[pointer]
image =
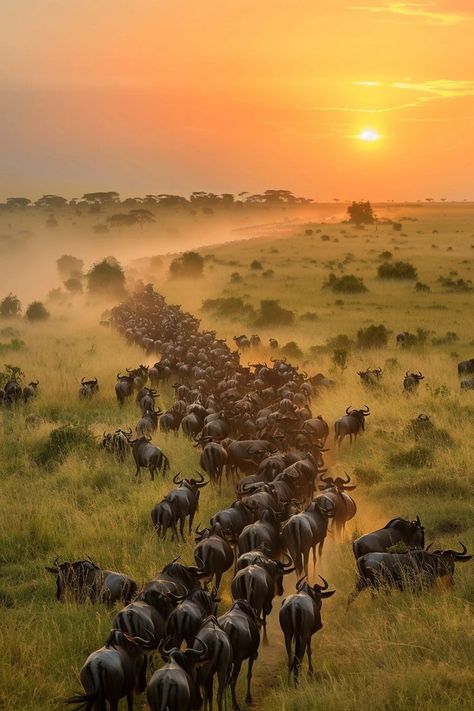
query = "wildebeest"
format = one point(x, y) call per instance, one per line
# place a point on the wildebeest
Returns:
point(186, 619)
point(466, 367)
point(163, 516)
point(411, 381)
point(146, 399)
point(317, 427)
point(218, 660)
point(467, 384)
point(414, 570)
point(242, 342)
point(300, 618)
point(147, 455)
point(123, 387)
point(335, 500)
point(86, 580)
point(148, 424)
point(145, 620)
point(405, 338)
point(255, 340)
point(302, 532)
point(213, 460)
point(264, 532)
point(273, 344)
point(213, 553)
point(234, 519)
point(175, 579)
point(30, 391)
point(370, 377)
point(174, 686)
point(398, 530)
point(12, 393)
point(117, 443)
point(241, 625)
point(88, 388)
point(115, 670)
point(352, 423)
point(185, 499)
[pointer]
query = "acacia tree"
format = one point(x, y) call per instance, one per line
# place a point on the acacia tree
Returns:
point(36, 311)
point(106, 278)
point(361, 213)
point(190, 264)
point(69, 266)
point(10, 307)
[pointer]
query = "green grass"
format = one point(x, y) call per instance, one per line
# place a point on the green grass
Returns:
point(394, 652)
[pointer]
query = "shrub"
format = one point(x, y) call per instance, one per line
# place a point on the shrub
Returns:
point(325, 238)
point(348, 284)
point(397, 226)
point(74, 285)
point(268, 273)
point(339, 342)
point(340, 358)
point(10, 307)
point(235, 278)
point(308, 231)
point(106, 278)
point(65, 440)
point(189, 265)
point(367, 475)
point(256, 265)
point(419, 286)
point(15, 345)
point(272, 314)
point(361, 213)
point(373, 336)
point(385, 255)
point(228, 307)
point(398, 270)
point(36, 311)
point(309, 316)
point(449, 337)
point(455, 284)
point(100, 229)
point(292, 350)
point(69, 266)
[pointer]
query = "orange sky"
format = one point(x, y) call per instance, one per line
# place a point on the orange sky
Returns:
point(230, 95)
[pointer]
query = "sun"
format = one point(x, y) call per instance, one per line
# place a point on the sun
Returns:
point(369, 135)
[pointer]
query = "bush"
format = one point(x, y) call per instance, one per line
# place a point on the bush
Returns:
point(361, 213)
point(398, 270)
point(292, 350)
point(106, 278)
point(65, 440)
point(309, 316)
point(69, 266)
point(36, 311)
point(189, 265)
point(15, 345)
point(268, 273)
point(449, 337)
point(385, 255)
point(397, 226)
point(235, 278)
point(272, 314)
point(455, 284)
point(419, 286)
point(339, 342)
point(10, 307)
point(74, 285)
point(228, 307)
point(256, 265)
point(373, 336)
point(348, 284)
point(367, 475)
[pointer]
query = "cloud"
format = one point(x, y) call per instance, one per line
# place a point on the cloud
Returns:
point(448, 12)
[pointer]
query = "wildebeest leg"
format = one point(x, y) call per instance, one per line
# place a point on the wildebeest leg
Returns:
point(306, 559)
point(218, 578)
point(289, 654)
point(175, 531)
point(181, 527)
point(152, 471)
point(129, 702)
point(113, 705)
point(209, 693)
point(137, 473)
point(248, 698)
point(309, 652)
point(265, 638)
point(233, 682)
point(191, 518)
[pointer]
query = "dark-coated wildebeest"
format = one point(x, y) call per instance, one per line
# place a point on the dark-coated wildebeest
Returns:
point(174, 580)
point(352, 423)
point(218, 661)
point(30, 391)
point(141, 619)
point(185, 620)
point(273, 344)
point(148, 424)
point(12, 393)
point(414, 570)
point(241, 625)
point(467, 384)
point(398, 530)
point(242, 342)
point(86, 580)
point(370, 377)
point(411, 381)
point(317, 427)
point(174, 686)
point(88, 389)
point(213, 553)
point(264, 532)
point(115, 670)
point(258, 584)
point(300, 618)
point(163, 516)
point(404, 338)
point(148, 456)
point(185, 499)
point(213, 460)
point(169, 422)
point(117, 443)
point(255, 340)
point(123, 388)
point(466, 367)
point(146, 399)
point(234, 519)
point(302, 532)
point(335, 500)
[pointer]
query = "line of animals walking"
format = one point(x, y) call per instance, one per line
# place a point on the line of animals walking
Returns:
point(254, 425)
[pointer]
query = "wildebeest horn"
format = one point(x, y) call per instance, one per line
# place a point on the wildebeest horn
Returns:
point(201, 478)
point(56, 561)
point(348, 409)
point(175, 478)
point(82, 380)
point(418, 520)
point(348, 478)
point(161, 646)
point(329, 480)
point(407, 374)
point(366, 409)
point(462, 555)
point(325, 586)
point(95, 381)
point(300, 582)
point(428, 547)
point(175, 560)
point(289, 559)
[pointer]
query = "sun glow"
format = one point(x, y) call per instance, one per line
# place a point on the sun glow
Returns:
point(369, 134)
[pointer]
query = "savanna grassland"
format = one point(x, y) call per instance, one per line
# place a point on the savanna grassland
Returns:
point(393, 652)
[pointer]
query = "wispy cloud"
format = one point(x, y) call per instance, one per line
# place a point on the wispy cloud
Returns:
point(429, 10)
point(427, 91)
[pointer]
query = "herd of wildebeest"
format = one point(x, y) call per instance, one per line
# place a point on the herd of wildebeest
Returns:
point(253, 425)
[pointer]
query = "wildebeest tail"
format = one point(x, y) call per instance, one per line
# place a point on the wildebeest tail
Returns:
point(166, 464)
point(87, 702)
point(296, 624)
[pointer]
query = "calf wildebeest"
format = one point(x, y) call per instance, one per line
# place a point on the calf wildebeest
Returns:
point(320, 381)
point(123, 388)
point(185, 620)
point(302, 532)
point(335, 500)
point(174, 686)
point(85, 580)
point(218, 660)
point(300, 618)
point(115, 670)
point(185, 499)
point(148, 424)
point(117, 443)
point(411, 381)
point(352, 423)
point(147, 455)
point(163, 516)
point(241, 625)
point(30, 391)
point(273, 344)
point(259, 582)
point(213, 553)
point(414, 570)
point(88, 389)
point(370, 377)
point(466, 367)
point(398, 530)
